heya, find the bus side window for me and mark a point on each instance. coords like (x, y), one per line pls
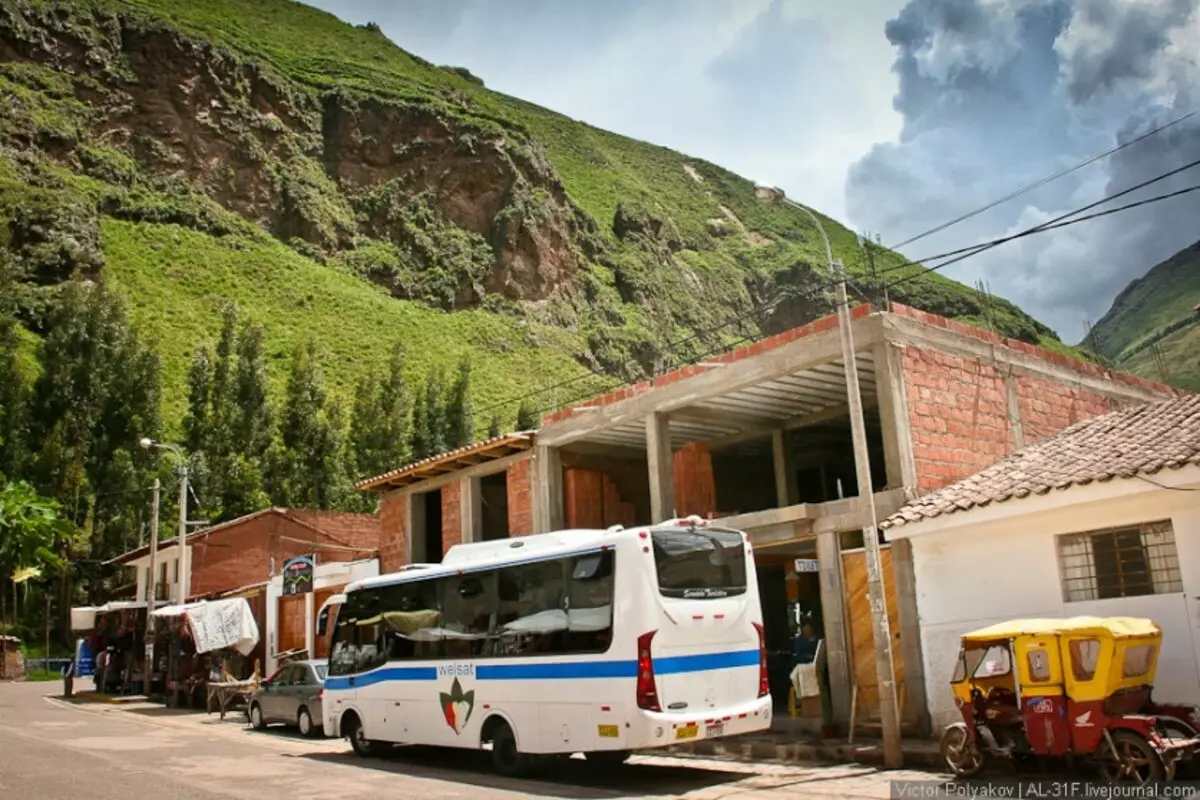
(343, 653)
(469, 610)
(412, 620)
(590, 603)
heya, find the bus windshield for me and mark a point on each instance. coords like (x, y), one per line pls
(698, 564)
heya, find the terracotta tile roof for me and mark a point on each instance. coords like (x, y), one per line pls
(1123, 444)
(488, 449)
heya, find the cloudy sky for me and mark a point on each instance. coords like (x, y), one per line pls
(891, 115)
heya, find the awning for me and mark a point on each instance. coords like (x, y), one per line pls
(173, 610)
(83, 618)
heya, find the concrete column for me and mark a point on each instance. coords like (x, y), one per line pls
(471, 498)
(662, 472)
(893, 416)
(1015, 424)
(548, 494)
(833, 616)
(916, 702)
(785, 471)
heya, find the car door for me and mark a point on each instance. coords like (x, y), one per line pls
(305, 689)
(275, 700)
(289, 697)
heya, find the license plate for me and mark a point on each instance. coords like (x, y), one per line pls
(716, 729)
(686, 732)
(609, 732)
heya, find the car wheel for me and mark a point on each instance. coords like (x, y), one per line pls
(506, 758)
(256, 717)
(304, 722)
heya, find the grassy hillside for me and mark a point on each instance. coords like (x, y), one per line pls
(1157, 311)
(339, 188)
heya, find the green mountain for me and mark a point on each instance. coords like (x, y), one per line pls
(193, 152)
(1153, 327)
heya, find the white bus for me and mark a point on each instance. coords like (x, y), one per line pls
(583, 641)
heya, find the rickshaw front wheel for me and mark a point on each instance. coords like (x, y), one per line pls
(1136, 760)
(959, 753)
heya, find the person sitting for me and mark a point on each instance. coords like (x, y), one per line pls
(804, 646)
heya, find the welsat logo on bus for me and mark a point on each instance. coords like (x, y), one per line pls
(457, 706)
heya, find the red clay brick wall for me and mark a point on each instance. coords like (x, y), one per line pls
(695, 486)
(1048, 407)
(959, 416)
(393, 538)
(451, 515)
(355, 530)
(245, 554)
(520, 498)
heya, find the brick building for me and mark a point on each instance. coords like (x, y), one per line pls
(237, 558)
(759, 439)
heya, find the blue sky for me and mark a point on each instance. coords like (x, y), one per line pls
(891, 115)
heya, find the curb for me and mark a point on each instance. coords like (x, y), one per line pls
(871, 754)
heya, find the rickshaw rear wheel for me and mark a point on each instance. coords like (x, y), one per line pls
(1136, 760)
(960, 755)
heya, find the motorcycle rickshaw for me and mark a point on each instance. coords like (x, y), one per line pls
(1076, 690)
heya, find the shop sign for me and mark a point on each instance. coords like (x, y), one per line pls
(808, 565)
(298, 574)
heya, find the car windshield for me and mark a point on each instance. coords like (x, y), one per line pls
(322, 670)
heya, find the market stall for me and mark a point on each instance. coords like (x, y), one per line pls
(114, 633)
(206, 645)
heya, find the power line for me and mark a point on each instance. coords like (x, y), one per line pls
(1058, 222)
(961, 253)
(1047, 179)
(1055, 223)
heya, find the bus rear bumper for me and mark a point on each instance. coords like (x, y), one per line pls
(655, 729)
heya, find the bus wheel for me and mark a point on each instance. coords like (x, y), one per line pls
(506, 758)
(608, 758)
(358, 739)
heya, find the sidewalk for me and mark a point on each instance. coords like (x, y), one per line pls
(790, 748)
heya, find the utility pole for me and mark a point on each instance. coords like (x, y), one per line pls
(185, 558)
(885, 673)
(151, 587)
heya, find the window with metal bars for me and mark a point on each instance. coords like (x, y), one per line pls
(1119, 562)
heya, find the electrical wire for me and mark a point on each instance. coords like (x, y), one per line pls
(955, 256)
(1047, 179)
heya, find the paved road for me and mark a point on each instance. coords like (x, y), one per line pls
(51, 750)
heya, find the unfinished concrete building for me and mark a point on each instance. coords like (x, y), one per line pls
(759, 439)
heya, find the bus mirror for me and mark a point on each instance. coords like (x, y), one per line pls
(323, 621)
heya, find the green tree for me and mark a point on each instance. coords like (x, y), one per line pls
(251, 411)
(196, 418)
(14, 393)
(459, 416)
(380, 430)
(422, 440)
(435, 411)
(494, 427)
(527, 417)
(32, 533)
(307, 466)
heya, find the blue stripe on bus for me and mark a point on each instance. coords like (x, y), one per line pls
(382, 676)
(563, 670)
(706, 662)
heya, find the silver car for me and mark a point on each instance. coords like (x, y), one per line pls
(292, 696)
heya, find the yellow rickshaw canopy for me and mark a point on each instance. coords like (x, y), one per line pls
(1112, 627)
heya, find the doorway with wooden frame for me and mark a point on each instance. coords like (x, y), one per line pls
(864, 692)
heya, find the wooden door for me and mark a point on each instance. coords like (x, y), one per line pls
(862, 636)
(291, 623)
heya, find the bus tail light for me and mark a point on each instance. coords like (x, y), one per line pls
(764, 684)
(647, 694)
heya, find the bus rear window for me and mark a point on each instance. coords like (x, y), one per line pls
(699, 564)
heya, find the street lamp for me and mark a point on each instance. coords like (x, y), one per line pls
(185, 561)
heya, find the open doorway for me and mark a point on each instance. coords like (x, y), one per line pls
(427, 527)
(493, 500)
